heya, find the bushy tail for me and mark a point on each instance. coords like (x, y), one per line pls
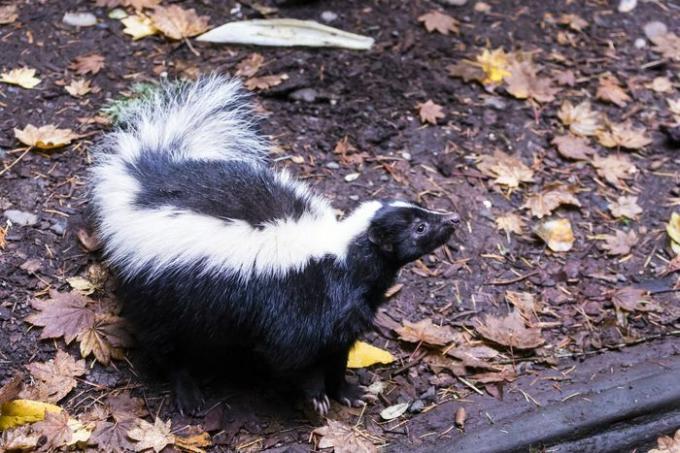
(208, 119)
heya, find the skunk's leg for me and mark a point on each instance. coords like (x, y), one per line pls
(188, 395)
(314, 389)
(338, 388)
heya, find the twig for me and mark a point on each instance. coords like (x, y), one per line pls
(513, 280)
(470, 384)
(21, 156)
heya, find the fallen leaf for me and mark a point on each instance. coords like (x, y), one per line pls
(178, 23)
(610, 90)
(667, 444)
(123, 406)
(494, 64)
(138, 5)
(661, 85)
(19, 439)
(623, 135)
(20, 412)
(91, 63)
(523, 82)
(619, 243)
(573, 147)
(510, 223)
(395, 411)
(44, 137)
(393, 290)
(565, 77)
(525, 302)
(508, 170)
(194, 443)
(632, 299)
(477, 357)
(55, 428)
(105, 339)
(82, 285)
(154, 436)
(113, 436)
(625, 206)
(440, 22)
(11, 389)
(63, 315)
(78, 88)
(343, 438)
(510, 331)
(673, 229)
(557, 234)
(674, 107)
(265, 82)
(363, 355)
(23, 77)
(468, 71)
(668, 45)
(574, 21)
(249, 66)
(553, 196)
(3, 236)
(426, 332)
(614, 168)
(580, 118)
(430, 112)
(138, 26)
(54, 379)
(8, 14)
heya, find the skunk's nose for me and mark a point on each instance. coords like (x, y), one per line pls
(452, 218)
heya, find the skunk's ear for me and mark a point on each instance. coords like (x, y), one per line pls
(378, 237)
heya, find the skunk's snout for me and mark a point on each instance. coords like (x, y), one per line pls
(453, 219)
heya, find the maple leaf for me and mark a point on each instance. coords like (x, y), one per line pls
(440, 22)
(565, 77)
(526, 303)
(123, 406)
(91, 63)
(249, 66)
(55, 378)
(63, 315)
(430, 112)
(573, 147)
(426, 332)
(557, 234)
(23, 77)
(78, 88)
(524, 83)
(667, 444)
(545, 202)
(8, 14)
(265, 82)
(113, 436)
(510, 331)
(625, 206)
(508, 170)
(154, 436)
(574, 21)
(494, 64)
(22, 438)
(105, 339)
(668, 45)
(632, 299)
(474, 356)
(614, 168)
(138, 26)
(619, 243)
(178, 23)
(467, 70)
(510, 223)
(581, 119)
(623, 135)
(343, 438)
(56, 429)
(10, 390)
(610, 90)
(44, 137)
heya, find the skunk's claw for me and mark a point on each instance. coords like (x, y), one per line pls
(321, 405)
(355, 395)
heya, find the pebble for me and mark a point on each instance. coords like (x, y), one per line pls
(352, 177)
(333, 165)
(406, 155)
(304, 94)
(626, 6)
(58, 228)
(654, 29)
(640, 43)
(21, 218)
(80, 19)
(117, 14)
(328, 16)
(416, 407)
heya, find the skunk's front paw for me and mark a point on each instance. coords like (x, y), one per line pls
(321, 404)
(188, 396)
(353, 395)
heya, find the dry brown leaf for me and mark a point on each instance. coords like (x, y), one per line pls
(113, 436)
(105, 339)
(524, 83)
(44, 137)
(557, 234)
(78, 88)
(632, 299)
(195, 441)
(510, 331)
(440, 22)
(54, 379)
(154, 436)
(510, 223)
(667, 444)
(477, 357)
(625, 206)
(63, 315)
(265, 82)
(623, 135)
(581, 119)
(610, 90)
(466, 70)
(426, 332)
(661, 85)
(343, 438)
(614, 169)
(553, 196)
(11, 389)
(508, 170)
(19, 439)
(619, 243)
(8, 14)
(56, 429)
(430, 112)
(123, 406)
(573, 147)
(91, 63)
(249, 66)
(565, 77)
(178, 23)
(574, 21)
(23, 77)
(668, 45)
(525, 302)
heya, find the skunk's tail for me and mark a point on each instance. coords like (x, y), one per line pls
(210, 119)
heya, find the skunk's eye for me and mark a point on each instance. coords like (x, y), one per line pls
(421, 228)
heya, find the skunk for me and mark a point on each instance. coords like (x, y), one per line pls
(215, 251)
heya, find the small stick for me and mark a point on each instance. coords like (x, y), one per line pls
(21, 156)
(513, 280)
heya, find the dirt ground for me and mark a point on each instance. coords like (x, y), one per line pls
(371, 97)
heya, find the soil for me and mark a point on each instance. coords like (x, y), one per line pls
(370, 98)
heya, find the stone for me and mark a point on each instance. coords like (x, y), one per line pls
(21, 218)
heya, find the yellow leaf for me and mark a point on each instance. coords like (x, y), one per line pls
(24, 77)
(138, 26)
(494, 64)
(44, 137)
(557, 234)
(20, 412)
(673, 228)
(363, 355)
(82, 285)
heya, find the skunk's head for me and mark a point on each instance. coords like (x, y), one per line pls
(404, 232)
